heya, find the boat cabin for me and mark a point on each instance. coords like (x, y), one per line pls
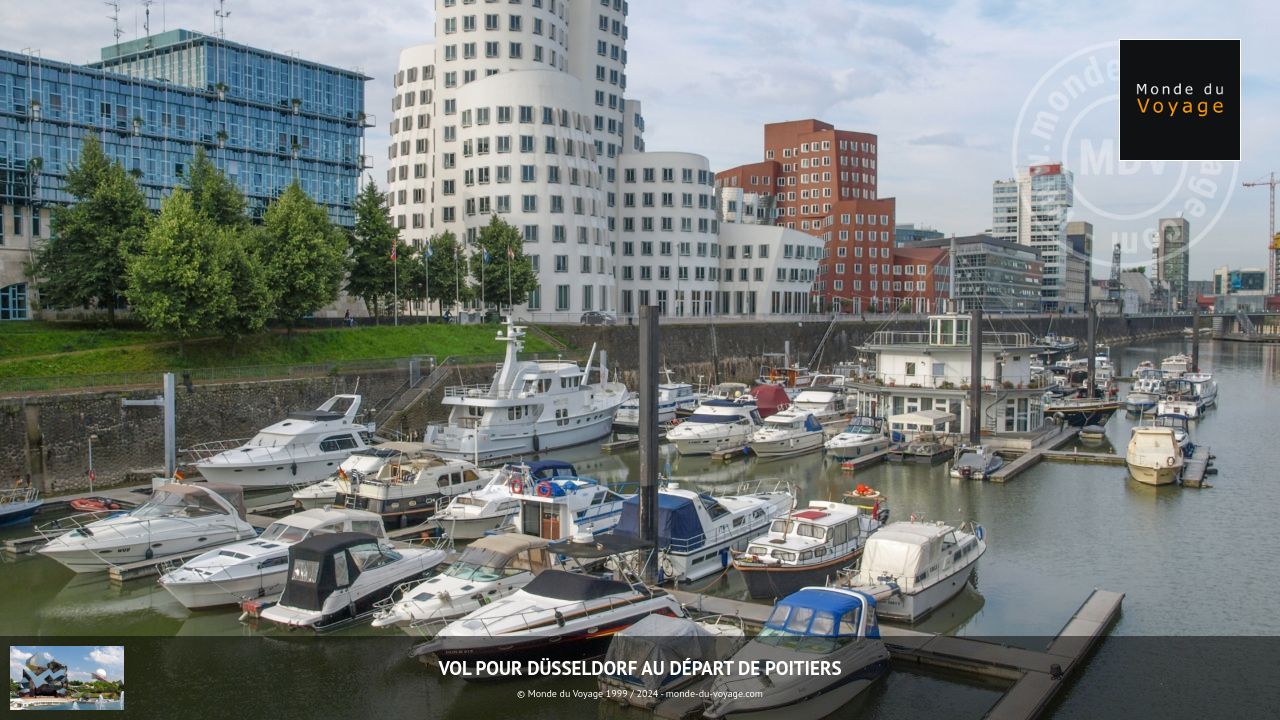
(324, 564)
(909, 426)
(834, 615)
(915, 555)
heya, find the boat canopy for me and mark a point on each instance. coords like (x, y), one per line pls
(507, 549)
(562, 585)
(822, 612)
(678, 522)
(321, 564)
(218, 498)
(668, 641)
(544, 469)
(770, 398)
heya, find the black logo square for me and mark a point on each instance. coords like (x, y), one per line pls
(1179, 99)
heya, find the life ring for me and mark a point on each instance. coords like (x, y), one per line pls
(543, 489)
(863, 490)
(516, 484)
(1170, 398)
(1171, 460)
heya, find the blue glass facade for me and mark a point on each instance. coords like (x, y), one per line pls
(264, 118)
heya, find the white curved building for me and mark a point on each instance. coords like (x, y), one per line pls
(411, 168)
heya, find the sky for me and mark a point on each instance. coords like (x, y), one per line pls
(943, 83)
(82, 661)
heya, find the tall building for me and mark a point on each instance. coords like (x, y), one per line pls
(519, 110)
(992, 274)
(264, 118)
(905, 234)
(1173, 260)
(1080, 242)
(1032, 209)
(823, 181)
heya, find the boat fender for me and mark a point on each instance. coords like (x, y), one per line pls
(724, 557)
(149, 554)
(293, 467)
(559, 618)
(536, 448)
(666, 567)
(1170, 398)
(979, 532)
(544, 489)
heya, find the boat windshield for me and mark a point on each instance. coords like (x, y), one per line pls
(709, 419)
(805, 629)
(266, 439)
(861, 429)
(167, 504)
(802, 529)
(283, 532)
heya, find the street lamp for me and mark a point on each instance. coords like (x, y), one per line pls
(92, 437)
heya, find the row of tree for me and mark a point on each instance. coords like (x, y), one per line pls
(201, 267)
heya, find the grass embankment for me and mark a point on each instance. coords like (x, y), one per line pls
(45, 349)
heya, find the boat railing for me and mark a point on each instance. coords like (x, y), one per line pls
(81, 521)
(205, 450)
(479, 390)
(10, 496)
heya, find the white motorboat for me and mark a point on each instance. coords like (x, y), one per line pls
(975, 462)
(729, 391)
(305, 447)
(1181, 398)
(673, 398)
(806, 547)
(912, 568)
(179, 518)
(666, 642)
(555, 503)
(862, 436)
(410, 491)
(336, 578)
(1203, 388)
(559, 614)
(18, 504)
(531, 406)
(1153, 456)
(1145, 392)
(473, 514)
(489, 569)
(715, 426)
(815, 624)
(789, 432)
(258, 567)
(697, 533)
(1175, 365)
(829, 403)
(362, 463)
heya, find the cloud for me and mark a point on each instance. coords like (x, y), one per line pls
(110, 657)
(17, 658)
(944, 139)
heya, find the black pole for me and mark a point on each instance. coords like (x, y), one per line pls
(1195, 336)
(648, 377)
(1092, 319)
(975, 369)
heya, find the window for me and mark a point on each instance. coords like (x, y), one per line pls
(562, 297)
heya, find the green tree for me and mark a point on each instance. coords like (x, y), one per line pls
(504, 246)
(252, 301)
(304, 255)
(371, 273)
(84, 262)
(213, 194)
(447, 269)
(178, 282)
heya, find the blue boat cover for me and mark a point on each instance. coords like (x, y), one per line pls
(811, 610)
(811, 424)
(677, 520)
(543, 469)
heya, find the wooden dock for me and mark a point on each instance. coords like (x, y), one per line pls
(1083, 457)
(626, 443)
(857, 463)
(1036, 676)
(731, 454)
(1032, 457)
(1197, 467)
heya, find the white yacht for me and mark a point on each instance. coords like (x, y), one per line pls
(1183, 398)
(806, 547)
(559, 615)
(362, 463)
(559, 505)
(531, 406)
(18, 504)
(305, 447)
(1146, 391)
(1203, 387)
(698, 532)
(828, 403)
(975, 462)
(490, 568)
(673, 398)
(729, 391)
(407, 492)
(1154, 456)
(179, 518)
(912, 568)
(1175, 365)
(790, 432)
(258, 567)
(862, 436)
(816, 624)
(716, 425)
(335, 578)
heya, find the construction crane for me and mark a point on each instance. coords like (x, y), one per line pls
(1273, 246)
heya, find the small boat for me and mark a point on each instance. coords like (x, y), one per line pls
(488, 569)
(930, 448)
(555, 503)
(790, 432)
(1079, 412)
(1175, 365)
(1093, 434)
(975, 462)
(673, 399)
(179, 518)
(871, 500)
(862, 436)
(834, 625)
(1181, 431)
(697, 532)
(473, 514)
(1145, 392)
(827, 401)
(362, 463)
(715, 426)
(18, 504)
(1203, 387)
(807, 547)
(336, 578)
(305, 447)
(409, 492)
(729, 391)
(258, 567)
(670, 641)
(912, 568)
(94, 504)
(559, 614)
(1181, 400)
(1153, 456)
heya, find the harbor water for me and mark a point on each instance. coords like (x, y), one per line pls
(1054, 534)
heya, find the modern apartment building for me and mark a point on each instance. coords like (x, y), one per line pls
(1173, 260)
(264, 118)
(823, 181)
(1032, 209)
(907, 234)
(767, 269)
(992, 274)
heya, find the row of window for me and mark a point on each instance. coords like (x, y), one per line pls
(667, 224)
(649, 175)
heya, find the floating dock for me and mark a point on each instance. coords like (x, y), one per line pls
(1035, 676)
(1031, 457)
(1197, 467)
(626, 443)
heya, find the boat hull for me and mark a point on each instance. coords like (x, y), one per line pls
(196, 595)
(1079, 417)
(910, 608)
(787, 446)
(548, 438)
(470, 528)
(1155, 475)
(86, 559)
(767, 582)
(18, 512)
(708, 444)
(277, 473)
(848, 452)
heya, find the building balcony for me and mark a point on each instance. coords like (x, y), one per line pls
(921, 338)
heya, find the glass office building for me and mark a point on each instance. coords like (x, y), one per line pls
(264, 118)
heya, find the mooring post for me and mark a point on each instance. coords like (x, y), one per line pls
(1092, 319)
(1195, 337)
(648, 377)
(975, 370)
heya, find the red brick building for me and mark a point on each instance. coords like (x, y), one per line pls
(823, 181)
